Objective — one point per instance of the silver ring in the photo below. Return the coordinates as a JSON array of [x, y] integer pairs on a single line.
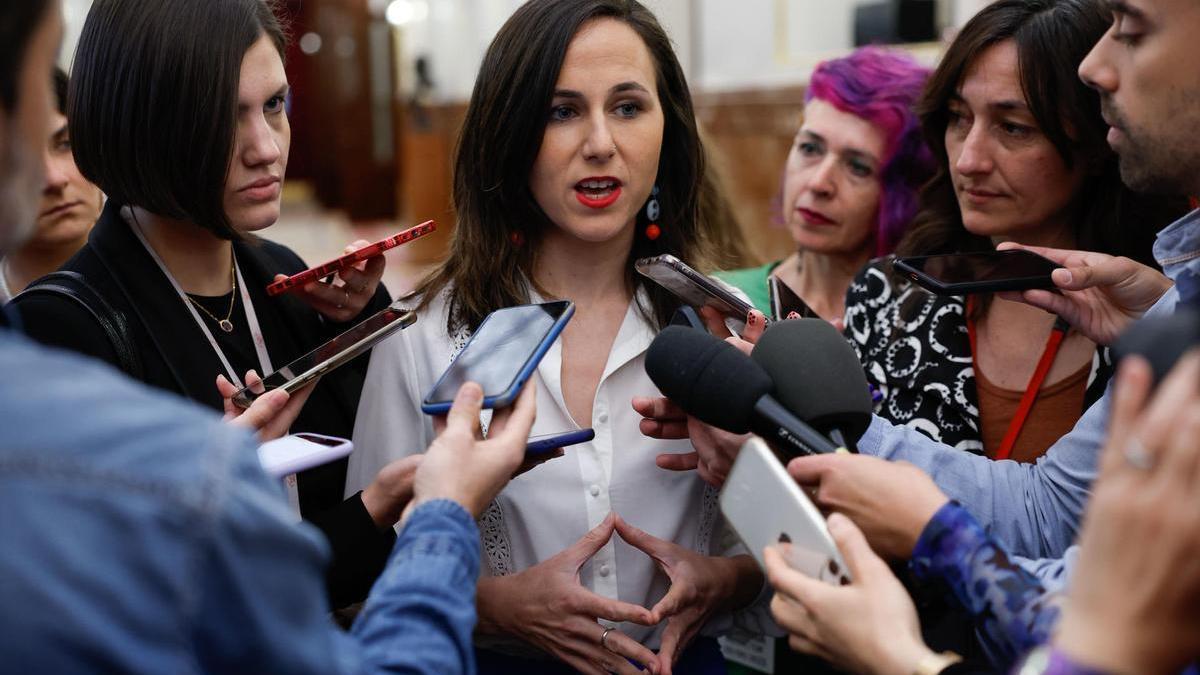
[[1136, 455], [604, 638]]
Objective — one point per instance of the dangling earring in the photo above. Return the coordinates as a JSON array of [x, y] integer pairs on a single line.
[[516, 238], [653, 211]]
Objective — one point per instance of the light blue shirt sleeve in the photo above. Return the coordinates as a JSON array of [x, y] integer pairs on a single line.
[[1035, 509], [266, 610]]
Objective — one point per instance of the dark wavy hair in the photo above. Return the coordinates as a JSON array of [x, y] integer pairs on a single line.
[[1052, 38], [500, 224], [152, 103]]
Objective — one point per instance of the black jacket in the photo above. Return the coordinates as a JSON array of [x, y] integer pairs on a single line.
[[176, 356]]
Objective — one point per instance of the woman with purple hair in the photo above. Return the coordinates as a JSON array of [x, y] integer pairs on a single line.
[[851, 180]]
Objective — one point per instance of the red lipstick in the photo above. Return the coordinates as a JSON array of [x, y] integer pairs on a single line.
[[598, 192]]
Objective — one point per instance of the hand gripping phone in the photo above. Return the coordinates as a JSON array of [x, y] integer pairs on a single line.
[[338, 264], [694, 289], [330, 355], [766, 507], [985, 272], [501, 355]]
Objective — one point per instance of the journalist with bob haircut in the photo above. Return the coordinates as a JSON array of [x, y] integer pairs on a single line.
[[177, 112]]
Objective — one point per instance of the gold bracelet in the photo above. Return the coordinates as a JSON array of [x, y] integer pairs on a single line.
[[932, 663]]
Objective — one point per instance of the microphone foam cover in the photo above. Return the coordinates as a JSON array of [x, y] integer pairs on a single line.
[[1161, 340], [708, 378], [816, 375]]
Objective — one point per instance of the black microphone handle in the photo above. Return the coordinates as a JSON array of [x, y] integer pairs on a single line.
[[779, 427]]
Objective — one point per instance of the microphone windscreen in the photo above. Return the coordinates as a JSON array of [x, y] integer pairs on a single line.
[[816, 375], [708, 378], [1161, 340]]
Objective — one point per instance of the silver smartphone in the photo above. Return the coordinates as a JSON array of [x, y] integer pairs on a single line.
[[330, 355], [694, 289], [766, 507]]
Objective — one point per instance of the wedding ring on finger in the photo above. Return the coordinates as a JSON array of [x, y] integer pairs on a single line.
[[604, 638], [1137, 456]]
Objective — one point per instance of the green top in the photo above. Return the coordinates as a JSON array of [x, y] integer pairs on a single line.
[[753, 282]]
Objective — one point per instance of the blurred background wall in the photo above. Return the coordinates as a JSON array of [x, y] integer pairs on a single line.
[[380, 88]]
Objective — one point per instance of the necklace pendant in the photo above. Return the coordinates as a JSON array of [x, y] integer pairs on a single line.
[[226, 325]]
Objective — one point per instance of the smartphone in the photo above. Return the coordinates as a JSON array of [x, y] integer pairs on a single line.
[[501, 355], [298, 452], [985, 272], [544, 443], [784, 301], [330, 355], [694, 289], [766, 507], [338, 264]]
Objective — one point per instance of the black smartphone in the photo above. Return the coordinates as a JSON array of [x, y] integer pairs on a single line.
[[330, 355], [986, 272], [693, 288], [784, 301], [501, 355]]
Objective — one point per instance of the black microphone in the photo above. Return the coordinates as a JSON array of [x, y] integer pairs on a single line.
[[721, 386], [1161, 340], [817, 376]]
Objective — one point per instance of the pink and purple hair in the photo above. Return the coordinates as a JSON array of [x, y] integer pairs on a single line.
[[881, 86]]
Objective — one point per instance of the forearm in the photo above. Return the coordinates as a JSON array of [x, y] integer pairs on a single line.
[[1035, 510], [420, 615], [1014, 612]]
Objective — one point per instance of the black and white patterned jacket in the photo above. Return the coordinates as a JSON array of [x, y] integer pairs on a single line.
[[922, 366]]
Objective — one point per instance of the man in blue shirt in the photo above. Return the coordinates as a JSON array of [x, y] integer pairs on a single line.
[[140, 533]]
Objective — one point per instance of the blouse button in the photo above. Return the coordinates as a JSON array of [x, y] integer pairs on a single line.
[[594, 490], [604, 570], [603, 418]]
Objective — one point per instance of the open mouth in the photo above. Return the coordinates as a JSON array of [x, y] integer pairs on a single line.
[[598, 193]]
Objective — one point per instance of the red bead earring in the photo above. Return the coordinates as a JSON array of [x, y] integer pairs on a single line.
[[653, 231]]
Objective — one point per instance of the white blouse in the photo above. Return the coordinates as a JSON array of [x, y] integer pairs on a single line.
[[545, 510]]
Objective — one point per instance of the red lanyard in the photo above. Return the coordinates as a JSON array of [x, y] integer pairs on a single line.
[[1035, 383]]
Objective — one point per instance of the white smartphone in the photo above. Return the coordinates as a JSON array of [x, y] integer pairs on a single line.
[[297, 452], [766, 507]]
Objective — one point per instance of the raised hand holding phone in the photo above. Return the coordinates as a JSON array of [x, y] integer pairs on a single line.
[[342, 302], [1099, 295]]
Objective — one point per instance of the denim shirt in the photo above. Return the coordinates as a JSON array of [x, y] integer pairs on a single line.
[[139, 534], [1036, 510]]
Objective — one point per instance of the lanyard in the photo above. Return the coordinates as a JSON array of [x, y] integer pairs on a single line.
[[260, 345], [1035, 383]]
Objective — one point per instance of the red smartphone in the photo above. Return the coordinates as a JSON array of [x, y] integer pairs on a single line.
[[338, 264]]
